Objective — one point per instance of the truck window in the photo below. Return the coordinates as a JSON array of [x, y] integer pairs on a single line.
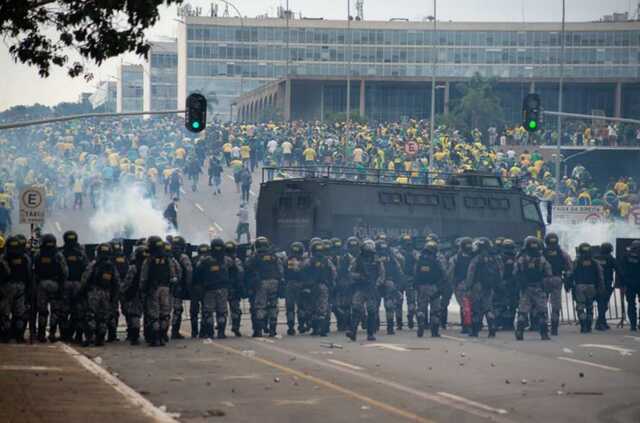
[[390, 198], [530, 211], [422, 200], [499, 203], [475, 202]]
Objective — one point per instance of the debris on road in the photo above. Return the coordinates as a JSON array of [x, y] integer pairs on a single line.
[[365, 407], [507, 381], [177, 379], [585, 393], [276, 380], [207, 341], [249, 353], [581, 374], [567, 350], [98, 360], [215, 413], [524, 381], [331, 345]]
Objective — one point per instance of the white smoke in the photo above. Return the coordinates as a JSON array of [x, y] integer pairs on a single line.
[[125, 212], [592, 233]]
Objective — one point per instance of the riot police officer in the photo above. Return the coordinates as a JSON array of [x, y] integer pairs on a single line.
[[50, 272], [609, 265], [101, 283], [561, 267], [295, 276], [236, 286], [212, 272], [344, 283], [121, 262], [429, 277], [7, 296], [409, 254], [483, 276], [131, 295], [183, 287], [588, 282], [16, 286], [267, 273], [387, 287], [335, 256], [157, 276], [507, 301], [366, 273], [197, 295], [74, 304], [458, 268], [321, 274], [531, 271], [631, 282]]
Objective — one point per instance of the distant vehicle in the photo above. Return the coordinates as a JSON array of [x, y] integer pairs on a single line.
[[299, 203]]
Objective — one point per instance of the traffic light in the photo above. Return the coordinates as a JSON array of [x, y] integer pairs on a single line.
[[531, 112], [196, 112]]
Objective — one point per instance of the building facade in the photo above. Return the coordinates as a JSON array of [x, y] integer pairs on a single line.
[[161, 77], [130, 88], [391, 64], [104, 97]]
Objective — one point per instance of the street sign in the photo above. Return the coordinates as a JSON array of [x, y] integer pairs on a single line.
[[574, 215], [32, 206]]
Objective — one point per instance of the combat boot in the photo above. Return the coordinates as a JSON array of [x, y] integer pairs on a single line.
[[589, 324], [315, 328], [583, 326], [520, 332], [221, 334], [351, 334], [52, 333], [410, 322], [272, 328], [134, 337], [492, 329], [544, 332], [4, 337], [475, 330], [420, 330], [554, 328], [160, 337], [99, 339], [390, 327], [399, 324], [257, 330], [435, 331], [175, 332], [77, 339], [291, 331], [371, 326], [42, 337], [164, 335], [222, 326], [235, 327], [112, 334], [88, 340]]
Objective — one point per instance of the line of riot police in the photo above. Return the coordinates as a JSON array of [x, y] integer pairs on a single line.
[[496, 283]]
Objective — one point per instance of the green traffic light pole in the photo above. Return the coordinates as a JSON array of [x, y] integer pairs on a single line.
[[86, 116]]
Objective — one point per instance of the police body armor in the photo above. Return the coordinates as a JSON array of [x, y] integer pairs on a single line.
[[586, 272], [20, 267], [533, 272], [75, 262], [509, 265], [368, 270], [215, 273], [267, 266], [319, 270], [104, 276], [294, 270], [122, 265], [48, 268], [427, 271], [344, 279], [461, 268], [487, 273], [409, 262], [556, 260], [608, 265], [159, 271]]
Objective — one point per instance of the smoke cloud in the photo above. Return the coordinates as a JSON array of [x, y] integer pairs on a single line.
[[592, 233], [126, 213]]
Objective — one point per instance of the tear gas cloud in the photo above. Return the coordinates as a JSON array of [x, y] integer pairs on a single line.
[[126, 213], [592, 233]]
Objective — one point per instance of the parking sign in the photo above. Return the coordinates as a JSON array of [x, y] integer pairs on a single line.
[[32, 206]]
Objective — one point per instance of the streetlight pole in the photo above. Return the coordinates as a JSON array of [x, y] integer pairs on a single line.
[[560, 88], [434, 60], [288, 81], [348, 123]]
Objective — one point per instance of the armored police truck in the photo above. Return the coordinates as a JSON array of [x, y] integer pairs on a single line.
[[296, 204]]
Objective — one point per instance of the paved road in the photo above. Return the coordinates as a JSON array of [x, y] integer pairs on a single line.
[[201, 214], [586, 378]]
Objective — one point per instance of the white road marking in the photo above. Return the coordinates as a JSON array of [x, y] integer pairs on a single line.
[[391, 347], [473, 403], [480, 412], [132, 396], [199, 207], [635, 338], [296, 402], [218, 227], [342, 363], [58, 227], [453, 338], [622, 351], [242, 377], [9, 367], [588, 363], [268, 341]]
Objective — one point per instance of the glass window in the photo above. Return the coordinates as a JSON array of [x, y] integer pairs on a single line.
[[530, 211]]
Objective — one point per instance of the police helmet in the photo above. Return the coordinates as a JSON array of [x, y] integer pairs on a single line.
[[551, 240], [12, 245], [48, 242], [297, 248], [508, 246], [498, 242], [466, 245], [532, 245], [179, 244], [406, 240], [217, 246], [381, 245], [432, 237], [118, 248], [328, 245], [482, 245], [337, 244], [155, 244], [353, 244], [368, 247], [203, 249], [431, 246], [584, 250], [103, 251], [70, 238], [262, 244], [22, 242], [318, 247], [606, 248], [141, 252], [230, 248]]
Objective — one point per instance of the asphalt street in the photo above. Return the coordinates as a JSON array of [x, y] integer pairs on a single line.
[[586, 378]]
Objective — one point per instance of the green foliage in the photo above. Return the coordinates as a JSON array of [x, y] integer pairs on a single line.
[[40, 33], [479, 107]]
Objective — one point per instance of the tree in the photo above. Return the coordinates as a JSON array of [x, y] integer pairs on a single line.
[[479, 107], [41, 33]]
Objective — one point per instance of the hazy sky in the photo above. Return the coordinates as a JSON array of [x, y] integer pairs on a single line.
[[22, 85]]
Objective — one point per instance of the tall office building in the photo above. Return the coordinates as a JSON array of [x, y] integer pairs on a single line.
[[161, 77], [130, 88]]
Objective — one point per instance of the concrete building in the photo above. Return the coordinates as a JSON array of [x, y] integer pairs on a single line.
[[130, 88], [391, 65], [104, 98], [161, 77]]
